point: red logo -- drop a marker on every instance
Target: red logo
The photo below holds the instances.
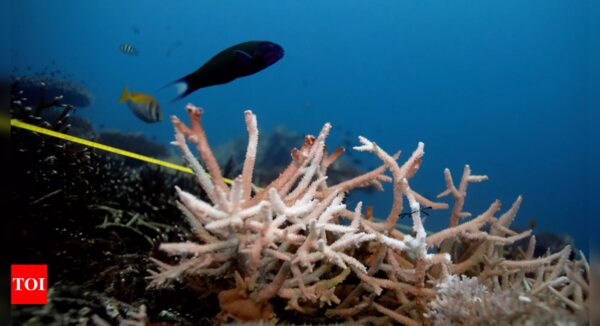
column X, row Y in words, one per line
column 29, row 284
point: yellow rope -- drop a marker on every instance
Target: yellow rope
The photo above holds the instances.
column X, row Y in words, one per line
column 89, row 143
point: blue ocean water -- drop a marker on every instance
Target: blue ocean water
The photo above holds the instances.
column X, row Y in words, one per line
column 503, row 86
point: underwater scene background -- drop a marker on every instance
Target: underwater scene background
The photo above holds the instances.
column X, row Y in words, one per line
column 502, row 86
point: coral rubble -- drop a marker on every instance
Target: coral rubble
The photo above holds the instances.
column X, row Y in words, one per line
column 293, row 252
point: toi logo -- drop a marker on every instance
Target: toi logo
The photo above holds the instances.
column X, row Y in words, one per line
column 29, row 284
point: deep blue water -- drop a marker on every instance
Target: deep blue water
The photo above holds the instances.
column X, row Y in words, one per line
column 501, row 85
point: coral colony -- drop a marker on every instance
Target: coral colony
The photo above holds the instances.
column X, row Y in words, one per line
column 294, row 247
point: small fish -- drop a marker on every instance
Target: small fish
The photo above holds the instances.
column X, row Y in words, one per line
column 144, row 106
column 128, row 49
column 422, row 210
column 240, row 60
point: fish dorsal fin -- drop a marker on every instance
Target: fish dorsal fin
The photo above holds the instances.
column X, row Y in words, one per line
column 124, row 96
column 242, row 56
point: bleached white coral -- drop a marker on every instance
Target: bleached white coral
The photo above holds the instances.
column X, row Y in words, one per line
column 295, row 239
column 463, row 300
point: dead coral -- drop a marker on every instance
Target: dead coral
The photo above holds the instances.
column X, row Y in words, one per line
column 296, row 242
column 465, row 301
column 273, row 156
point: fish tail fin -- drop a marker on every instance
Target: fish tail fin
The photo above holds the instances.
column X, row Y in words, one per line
column 183, row 90
column 125, row 95
column 182, row 87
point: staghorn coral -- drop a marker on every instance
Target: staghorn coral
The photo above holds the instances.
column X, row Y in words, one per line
column 462, row 300
column 272, row 157
column 295, row 242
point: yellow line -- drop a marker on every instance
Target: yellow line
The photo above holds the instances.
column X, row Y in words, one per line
column 52, row 133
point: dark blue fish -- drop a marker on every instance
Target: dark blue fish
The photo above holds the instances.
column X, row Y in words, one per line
column 240, row 60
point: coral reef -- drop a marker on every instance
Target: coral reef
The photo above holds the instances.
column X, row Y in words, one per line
column 290, row 252
column 463, row 300
column 272, row 156
column 93, row 220
column 293, row 252
column 135, row 142
column 37, row 89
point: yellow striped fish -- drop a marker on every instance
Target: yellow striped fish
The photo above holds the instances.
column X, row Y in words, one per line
column 144, row 106
column 128, row 49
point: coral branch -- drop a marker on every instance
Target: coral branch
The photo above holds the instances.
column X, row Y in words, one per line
column 296, row 241
column 248, row 167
